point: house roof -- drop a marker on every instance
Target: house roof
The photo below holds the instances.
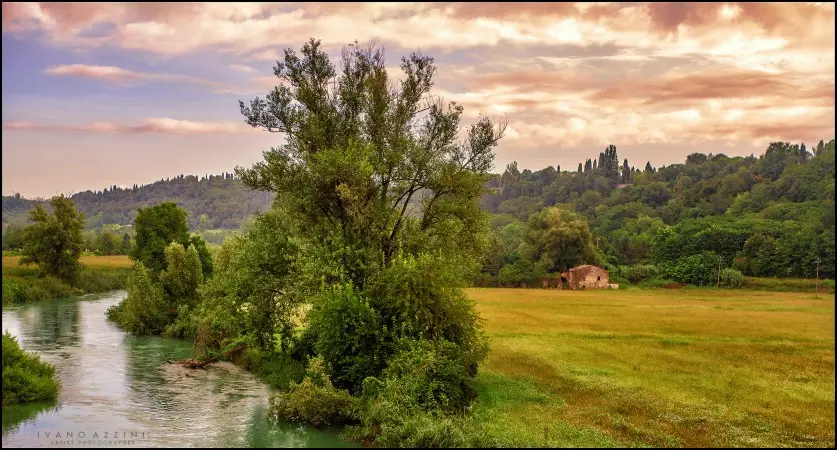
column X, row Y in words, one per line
column 585, row 267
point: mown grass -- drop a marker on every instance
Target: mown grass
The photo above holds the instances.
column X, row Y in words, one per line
column 691, row 368
column 21, row 284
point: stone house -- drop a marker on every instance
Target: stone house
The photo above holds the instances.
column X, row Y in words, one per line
column 585, row 277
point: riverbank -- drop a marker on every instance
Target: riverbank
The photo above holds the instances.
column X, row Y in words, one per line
column 21, row 284
column 112, row 381
column 26, row 378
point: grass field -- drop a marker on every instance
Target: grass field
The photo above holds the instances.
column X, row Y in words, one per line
column 121, row 261
column 658, row 367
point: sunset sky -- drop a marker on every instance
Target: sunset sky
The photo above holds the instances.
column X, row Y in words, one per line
column 100, row 94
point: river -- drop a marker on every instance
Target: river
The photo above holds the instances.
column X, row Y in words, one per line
column 118, row 391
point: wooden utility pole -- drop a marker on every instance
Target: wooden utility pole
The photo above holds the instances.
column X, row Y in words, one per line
column 719, row 271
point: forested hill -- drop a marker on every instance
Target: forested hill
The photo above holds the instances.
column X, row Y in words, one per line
column 766, row 215
column 215, row 201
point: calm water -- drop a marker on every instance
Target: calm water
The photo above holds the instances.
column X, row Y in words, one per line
column 118, row 384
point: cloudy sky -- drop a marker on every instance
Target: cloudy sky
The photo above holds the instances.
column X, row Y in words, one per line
column 100, row 94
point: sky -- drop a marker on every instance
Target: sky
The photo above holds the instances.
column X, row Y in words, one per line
column 98, row 94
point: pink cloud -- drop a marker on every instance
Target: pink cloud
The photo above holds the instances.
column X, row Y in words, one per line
column 117, row 75
column 566, row 75
column 153, row 125
column 245, row 27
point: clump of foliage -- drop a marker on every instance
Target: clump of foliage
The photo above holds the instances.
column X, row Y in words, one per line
column 157, row 227
column 520, row 271
column 144, row 310
column 731, row 278
column 278, row 370
column 249, row 294
column 419, row 401
column 25, row 377
column 24, row 286
column 635, row 274
column 152, row 305
column 183, row 273
column 561, row 240
column 350, row 335
column 699, row 270
column 429, row 375
column 420, row 297
column 54, row 241
column 160, row 297
column 314, row 401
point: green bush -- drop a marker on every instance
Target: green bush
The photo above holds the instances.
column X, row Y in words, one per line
column 25, row 377
column 484, row 280
column 22, row 285
column 419, row 400
column 656, row 283
column 277, row 370
column 182, row 275
column 622, row 282
column 699, row 270
column 731, row 278
column 521, row 271
column 351, row 338
column 638, row 273
column 32, row 288
column 102, row 279
column 314, row 401
column 422, row 429
column 13, row 291
column 432, row 375
column 144, row 310
column 420, row 298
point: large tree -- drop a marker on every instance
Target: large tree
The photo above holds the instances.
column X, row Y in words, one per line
column 560, row 240
column 379, row 188
column 55, row 241
column 156, row 227
column 372, row 166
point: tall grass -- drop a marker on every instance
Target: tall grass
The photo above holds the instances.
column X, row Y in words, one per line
column 22, row 284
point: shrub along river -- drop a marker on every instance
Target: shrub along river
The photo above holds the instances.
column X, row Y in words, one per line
column 118, row 391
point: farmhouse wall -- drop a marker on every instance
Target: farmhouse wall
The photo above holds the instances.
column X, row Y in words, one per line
column 587, row 277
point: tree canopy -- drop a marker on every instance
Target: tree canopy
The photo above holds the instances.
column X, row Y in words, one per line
column 371, row 166
column 54, row 241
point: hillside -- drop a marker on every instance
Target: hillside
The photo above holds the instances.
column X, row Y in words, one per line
column 771, row 215
column 213, row 202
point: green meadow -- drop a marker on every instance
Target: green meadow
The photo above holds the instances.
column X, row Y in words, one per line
column 657, row 367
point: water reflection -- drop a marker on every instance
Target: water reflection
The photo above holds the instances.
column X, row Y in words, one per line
column 117, row 382
column 16, row 416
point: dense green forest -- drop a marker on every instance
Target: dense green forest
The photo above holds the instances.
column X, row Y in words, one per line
column 212, row 202
column 771, row 215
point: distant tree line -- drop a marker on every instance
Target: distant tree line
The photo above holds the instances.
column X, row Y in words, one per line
column 211, row 202
column 771, row 215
